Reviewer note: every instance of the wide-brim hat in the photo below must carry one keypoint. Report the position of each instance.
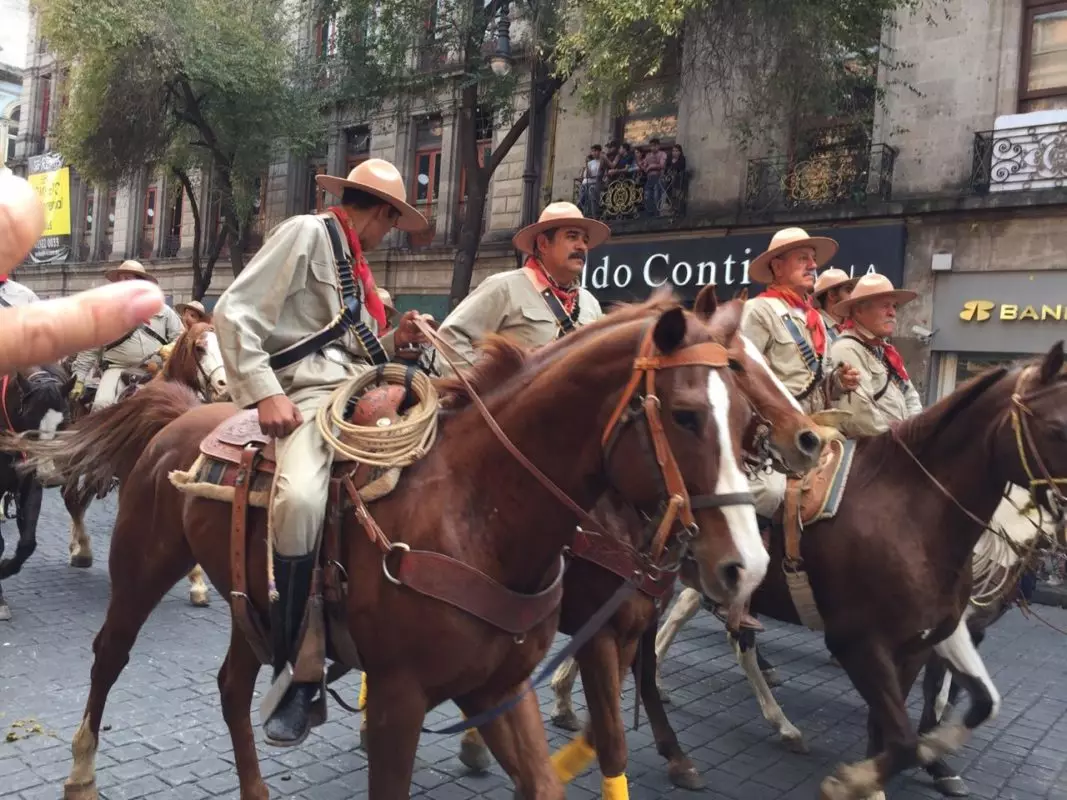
(561, 215)
(391, 313)
(782, 242)
(194, 305)
(833, 278)
(870, 287)
(380, 178)
(130, 267)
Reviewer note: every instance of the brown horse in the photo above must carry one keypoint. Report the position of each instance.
(891, 589)
(194, 361)
(795, 442)
(468, 499)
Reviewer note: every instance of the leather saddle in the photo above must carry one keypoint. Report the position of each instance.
(816, 494)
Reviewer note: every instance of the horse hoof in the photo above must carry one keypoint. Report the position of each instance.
(685, 776)
(567, 720)
(796, 744)
(80, 791)
(952, 786)
(771, 677)
(664, 695)
(198, 598)
(81, 561)
(474, 757)
(5, 611)
(833, 789)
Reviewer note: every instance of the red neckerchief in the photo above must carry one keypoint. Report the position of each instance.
(813, 318)
(890, 354)
(567, 295)
(361, 270)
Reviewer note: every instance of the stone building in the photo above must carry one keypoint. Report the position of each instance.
(955, 190)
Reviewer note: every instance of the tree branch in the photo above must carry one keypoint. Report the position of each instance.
(544, 95)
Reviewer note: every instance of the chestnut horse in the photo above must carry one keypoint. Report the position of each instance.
(467, 498)
(891, 573)
(195, 361)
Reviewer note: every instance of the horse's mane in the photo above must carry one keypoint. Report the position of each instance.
(501, 359)
(183, 360)
(925, 426)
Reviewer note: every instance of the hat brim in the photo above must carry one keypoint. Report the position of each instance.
(900, 296)
(597, 231)
(850, 284)
(111, 274)
(411, 219)
(180, 308)
(760, 269)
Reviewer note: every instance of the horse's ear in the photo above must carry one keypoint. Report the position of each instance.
(706, 301)
(727, 321)
(1052, 363)
(742, 295)
(670, 330)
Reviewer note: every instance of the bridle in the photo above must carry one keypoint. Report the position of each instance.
(1028, 450)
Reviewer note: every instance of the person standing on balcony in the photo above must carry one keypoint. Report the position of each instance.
(653, 165)
(592, 175)
(833, 287)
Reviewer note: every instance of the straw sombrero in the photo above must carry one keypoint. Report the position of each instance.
(561, 215)
(381, 179)
(129, 267)
(869, 287)
(833, 278)
(782, 242)
(391, 314)
(195, 305)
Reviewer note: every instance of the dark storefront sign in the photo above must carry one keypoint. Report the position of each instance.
(625, 270)
(999, 312)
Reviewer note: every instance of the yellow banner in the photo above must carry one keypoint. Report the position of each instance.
(54, 190)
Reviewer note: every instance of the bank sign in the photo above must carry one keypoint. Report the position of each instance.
(628, 269)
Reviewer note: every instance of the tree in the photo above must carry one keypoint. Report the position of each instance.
(182, 85)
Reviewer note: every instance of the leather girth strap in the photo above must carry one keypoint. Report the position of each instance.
(791, 520)
(342, 646)
(245, 615)
(619, 558)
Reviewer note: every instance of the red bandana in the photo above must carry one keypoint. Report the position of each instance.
(891, 355)
(814, 320)
(566, 295)
(361, 270)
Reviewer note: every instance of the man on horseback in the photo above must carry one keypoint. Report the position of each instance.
(299, 321)
(885, 393)
(123, 357)
(542, 300)
(831, 288)
(192, 313)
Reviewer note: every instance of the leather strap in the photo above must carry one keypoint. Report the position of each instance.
(563, 319)
(620, 558)
(335, 579)
(144, 328)
(791, 523)
(244, 614)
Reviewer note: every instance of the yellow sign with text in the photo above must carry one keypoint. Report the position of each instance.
(54, 190)
(984, 310)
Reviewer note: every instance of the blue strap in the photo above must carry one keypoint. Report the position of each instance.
(813, 364)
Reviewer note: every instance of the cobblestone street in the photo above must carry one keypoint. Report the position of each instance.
(165, 738)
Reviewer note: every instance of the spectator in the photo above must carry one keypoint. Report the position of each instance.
(611, 155)
(675, 179)
(592, 176)
(626, 162)
(653, 166)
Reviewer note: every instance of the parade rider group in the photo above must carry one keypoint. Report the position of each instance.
(305, 316)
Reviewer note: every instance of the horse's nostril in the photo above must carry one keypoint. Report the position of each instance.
(808, 442)
(730, 574)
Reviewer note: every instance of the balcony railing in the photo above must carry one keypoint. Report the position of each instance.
(1020, 159)
(838, 176)
(631, 196)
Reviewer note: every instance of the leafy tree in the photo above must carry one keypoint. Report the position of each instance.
(182, 85)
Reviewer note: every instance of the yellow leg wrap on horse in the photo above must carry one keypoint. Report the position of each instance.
(615, 788)
(571, 760)
(361, 704)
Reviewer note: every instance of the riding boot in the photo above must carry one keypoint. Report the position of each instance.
(288, 725)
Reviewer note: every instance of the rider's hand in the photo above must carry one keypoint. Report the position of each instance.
(278, 416)
(848, 377)
(407, 335)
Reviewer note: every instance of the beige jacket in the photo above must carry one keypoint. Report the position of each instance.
(509, 303)
(833, 327)
(288, 291)
(134, 350)
(763, 323)
(870, 416)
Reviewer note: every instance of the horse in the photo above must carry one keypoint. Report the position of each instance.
(888, 593)
(593, 577)
(469, 503)
(195, 361)
(33, 399)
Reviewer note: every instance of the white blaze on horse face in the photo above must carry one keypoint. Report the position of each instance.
(741, 519)
(755, 355)
(49, 424)
(211, 364)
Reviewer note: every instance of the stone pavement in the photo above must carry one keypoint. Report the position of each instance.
(165, 738)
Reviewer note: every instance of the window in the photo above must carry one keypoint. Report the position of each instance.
(317, 201)
(1043, 78)
(87, 234)
(483, 124)
(12, 127)
(427, 173)
(650, 112)
(46, 102)
(148, 226)
(109, 228)
(325, 39)
(173, 242)
(357, 147)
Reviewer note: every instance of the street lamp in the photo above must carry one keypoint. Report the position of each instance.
(500, 62)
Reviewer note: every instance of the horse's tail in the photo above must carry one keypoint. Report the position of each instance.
(105, 444)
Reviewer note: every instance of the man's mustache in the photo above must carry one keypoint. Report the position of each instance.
(579, 255)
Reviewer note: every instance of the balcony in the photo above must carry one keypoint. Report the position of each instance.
(835, 176)
(629, 197)
(1020, 159)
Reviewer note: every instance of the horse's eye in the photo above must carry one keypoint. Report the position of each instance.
(735, 365)
(690, 420)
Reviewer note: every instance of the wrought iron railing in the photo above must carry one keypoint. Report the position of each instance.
(632, 196)
(835, 176)
(1020, 159)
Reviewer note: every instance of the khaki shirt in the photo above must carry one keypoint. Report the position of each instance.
(288, 291)
(16, 294)
(870, 416)
(509, 303)
(833, 327)
(134, 349)
(762, 323)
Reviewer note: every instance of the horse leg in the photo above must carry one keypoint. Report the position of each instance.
(562, 715)
(29, 510)
(937, 682)
(770, 673)
(518, 743)
(681, 771)
(237, 681)
(394, 720)
(744, 646)
(197, 587)
(681, 612)
(81, 550)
